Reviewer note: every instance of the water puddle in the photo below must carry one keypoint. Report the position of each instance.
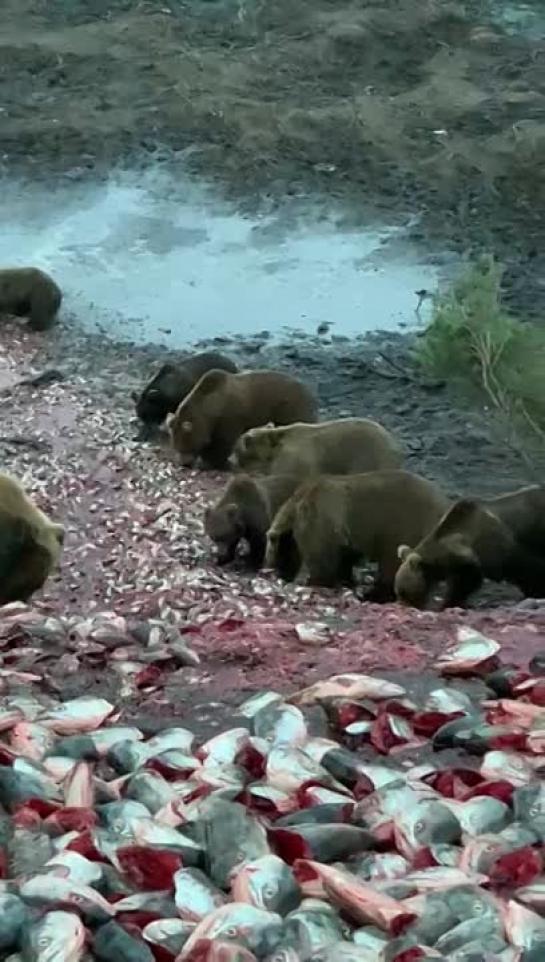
(147, 259)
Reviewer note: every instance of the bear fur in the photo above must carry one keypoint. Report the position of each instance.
(470, 542)
(245, 511)
(523, 511)
(223, 406)
(173, 382)
(346, 446)
(336, 522)
(30, 292)
(30, 543)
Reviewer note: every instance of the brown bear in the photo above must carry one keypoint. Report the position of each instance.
(173, 382)
(338, 521)
(30, 544)
(245, 511)
(469, 543)
(223, 406)
(523, 511)
(30, 292)
(346, 446)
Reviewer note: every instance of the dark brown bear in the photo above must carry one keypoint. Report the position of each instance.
(223, 406)
(30, 292)
(523, 512)
(173, 382)
(30, 544)
(346, 446)
(245, 512)
(469, 543)
(336, 522)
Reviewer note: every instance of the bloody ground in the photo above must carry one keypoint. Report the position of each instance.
(135, 543)
(430, 108)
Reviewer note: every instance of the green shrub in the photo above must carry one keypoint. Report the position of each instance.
(474, 341)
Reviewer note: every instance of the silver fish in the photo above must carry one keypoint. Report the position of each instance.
(195, 895)
(57, 937)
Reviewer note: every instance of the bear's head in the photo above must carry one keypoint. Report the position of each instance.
(225, 527)
(410, 584)
(164, 391)
(189, 433)
(255, 450)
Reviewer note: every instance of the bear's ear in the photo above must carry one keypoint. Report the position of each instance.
(169, 419)
(231, 511)
(460, 514)
(403, 552)
(134, 396)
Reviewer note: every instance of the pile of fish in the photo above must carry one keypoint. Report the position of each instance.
(415, 832)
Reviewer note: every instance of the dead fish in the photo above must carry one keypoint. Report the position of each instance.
(28, 851)
(215, 950)
(324, 843)
(147, 832)
(78, 747)
(150, 789)
(232, 836)
(118, 816)
(112, 941)
(84, 714)
(533, 895)
(481, 929)
(257, 702)
(448, 701)
(473, 653)
(253, 928)
(529, 807)
(31, 740)
(353, 896)
(17, 787)
(425, 823)
(312, 929)
(523, 928)
(169, 934)
(223, 749)
(77, 868)
(78, 786)
(195, 895)
(106, 738)
(351, 685)
(267, 883)
(481, 815)
(42, 890)
(281, 724)
(57, 937)
(288, 768)
(510, 765)
(13, 920)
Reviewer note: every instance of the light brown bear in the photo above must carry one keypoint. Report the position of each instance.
(223, 406)
(30, 292)
(469, 543)
(245, 512)
(173, 382)
(346, 446)
(336, 522)
(30, 543)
